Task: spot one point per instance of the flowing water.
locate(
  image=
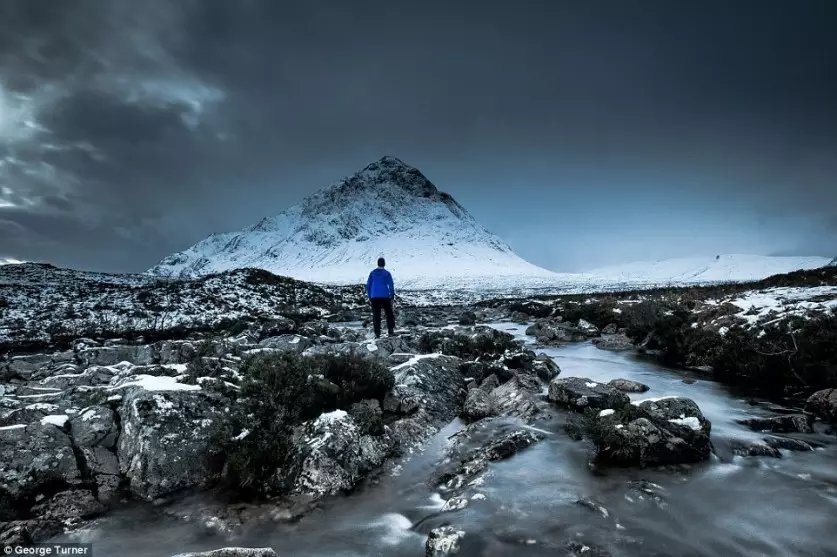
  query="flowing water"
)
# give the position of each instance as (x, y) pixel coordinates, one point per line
(755, 506)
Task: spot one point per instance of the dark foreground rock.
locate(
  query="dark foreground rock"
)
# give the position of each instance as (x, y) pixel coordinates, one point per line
(579, 393)
(823, 405)
(792, 423)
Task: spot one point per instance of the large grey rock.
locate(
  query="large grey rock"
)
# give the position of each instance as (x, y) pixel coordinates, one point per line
(823, 404)
(331, 454)
(33, 457)
(110, 355)
(232, 552)
(164, 445)
(544, 367)
(579, 393)
(95, 427)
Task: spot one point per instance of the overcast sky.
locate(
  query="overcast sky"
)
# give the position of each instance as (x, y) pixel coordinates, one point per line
(585, 133)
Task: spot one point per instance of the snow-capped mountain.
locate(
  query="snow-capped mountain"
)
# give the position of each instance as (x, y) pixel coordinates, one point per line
(336, 235)
(706, 270)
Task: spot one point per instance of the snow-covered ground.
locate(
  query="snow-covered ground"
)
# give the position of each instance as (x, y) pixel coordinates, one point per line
(759, 306)
(705, 270)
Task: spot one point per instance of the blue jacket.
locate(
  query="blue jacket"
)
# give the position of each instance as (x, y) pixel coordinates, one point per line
(379, 284)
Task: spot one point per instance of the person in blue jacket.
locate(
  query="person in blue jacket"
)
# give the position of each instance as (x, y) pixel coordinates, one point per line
(381, 292)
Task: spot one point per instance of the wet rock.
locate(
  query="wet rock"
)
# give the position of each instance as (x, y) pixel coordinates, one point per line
(233, 552)
(477, 405)
(823, 404)
(516, 397)
(628, 386)
(754, 448)
(468, 318)
(578, 393)
(788, 444)
(544, 367)
(791, 423)
(613, 343)
(443, 541)
(165, 440)
(610, 329)
(480, 443)
(287, 343)
(490, 383)
(331, 454)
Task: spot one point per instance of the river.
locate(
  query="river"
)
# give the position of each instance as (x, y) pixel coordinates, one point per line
(730, 505)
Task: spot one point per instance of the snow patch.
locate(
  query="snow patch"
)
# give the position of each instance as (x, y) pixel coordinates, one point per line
(155, 383)
(58, 420)
(607, 412)
(691, 423)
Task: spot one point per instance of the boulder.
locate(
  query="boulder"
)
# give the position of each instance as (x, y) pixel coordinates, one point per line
(791, 423)
(165, 442)
(579, 393)
(613, 343)
(519, 317)
(331, 454)
(33, 457)
(477, 405)
(610, 329)
(627, 386)
(823, 405)
(668, 430)
(443, 541)
(24, 366)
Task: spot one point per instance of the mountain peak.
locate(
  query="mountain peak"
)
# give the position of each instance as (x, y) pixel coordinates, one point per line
(392, 171)
(336, 234)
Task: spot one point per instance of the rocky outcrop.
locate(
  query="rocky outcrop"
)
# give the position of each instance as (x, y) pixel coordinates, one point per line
(580, 393)
(555, 332)
(823, 405)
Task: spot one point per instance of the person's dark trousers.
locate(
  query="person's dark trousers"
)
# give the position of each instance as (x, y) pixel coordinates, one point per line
(385, 304)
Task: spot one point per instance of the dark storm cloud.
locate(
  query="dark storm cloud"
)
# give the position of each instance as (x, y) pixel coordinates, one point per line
(585, 133)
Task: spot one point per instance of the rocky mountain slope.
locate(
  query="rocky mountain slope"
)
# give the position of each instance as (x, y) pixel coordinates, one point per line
(335, 236)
